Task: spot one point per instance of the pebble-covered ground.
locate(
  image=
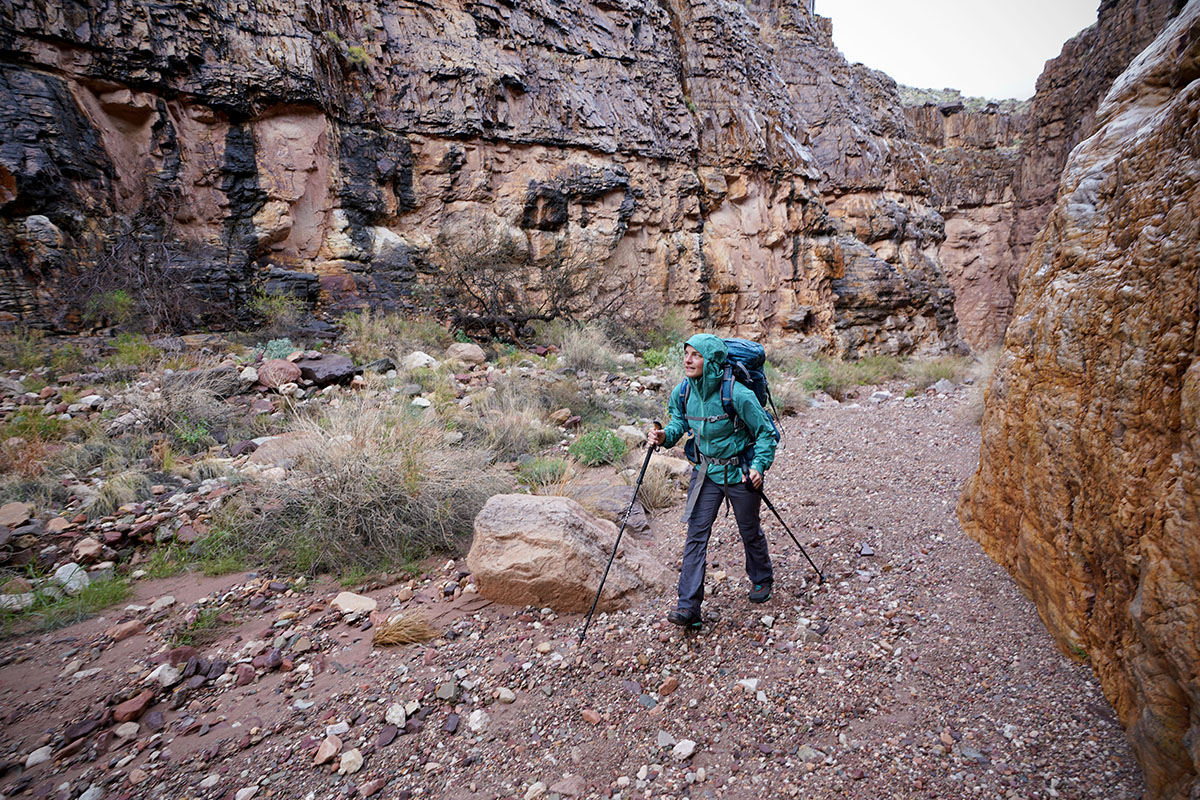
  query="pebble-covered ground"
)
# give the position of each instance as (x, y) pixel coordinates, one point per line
(917, 670)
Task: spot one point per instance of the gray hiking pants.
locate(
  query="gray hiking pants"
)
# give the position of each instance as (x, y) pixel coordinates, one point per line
(710, 497)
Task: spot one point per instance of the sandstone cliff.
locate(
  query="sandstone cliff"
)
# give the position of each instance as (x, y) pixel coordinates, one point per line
(1088, 488)
(326, 150)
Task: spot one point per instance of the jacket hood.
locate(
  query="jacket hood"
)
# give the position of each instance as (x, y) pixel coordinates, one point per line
(714, 351)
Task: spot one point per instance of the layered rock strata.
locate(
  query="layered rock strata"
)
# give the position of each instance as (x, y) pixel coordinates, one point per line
(330, 150)
(1088, 487)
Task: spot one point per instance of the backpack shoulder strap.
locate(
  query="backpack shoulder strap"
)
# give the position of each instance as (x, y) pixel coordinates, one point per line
(727, 394)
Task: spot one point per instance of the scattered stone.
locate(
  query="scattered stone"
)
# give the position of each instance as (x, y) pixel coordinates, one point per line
(665, 739)
(329, 748)
(326, 370)
(371, 787)
(161, 604)
(478, 720)
(447, 691)
(943, 386)
(506, 695)
(352, 762)
(569, 786)
(395, 714)
(535, 791)
(276, 372)
(246, 793)
(386, 736)
(591, 716)
(467, 352)
(72, 578)
(166, 675)
(337, 729)
(39, 756)
(683, 750)
(668, 686)
(418, 360)
(13, 515)
(121, 632)
(127, 730)
(351, 603)
(134, 707)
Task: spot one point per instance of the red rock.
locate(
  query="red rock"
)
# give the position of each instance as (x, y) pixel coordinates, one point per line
(133, 708)
(121, 632)
(591, 716)
(370, 787)
(276, 372)
(244, 673)
(668, 686)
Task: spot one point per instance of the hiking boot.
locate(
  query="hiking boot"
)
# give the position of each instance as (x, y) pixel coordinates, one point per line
(760, 592)
(684, 619)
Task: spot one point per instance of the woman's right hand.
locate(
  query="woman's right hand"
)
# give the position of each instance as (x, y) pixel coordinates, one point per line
(655, 437)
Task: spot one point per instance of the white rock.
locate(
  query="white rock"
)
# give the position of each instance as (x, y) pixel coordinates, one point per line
(16, 602)
(249, 375)
(41, 755)
(351, 603)
(246, 793)
(535, 791)
(665, 739)
(683, 750)
(418, 360)
(768, 620)
(93, 792)
(395, 714)
(506, 695)
(352, 762)
(880, 396)
(127, 730)
(72, 577)
(944, 386)
(166, 601)
(422, 402)
(750, 684)
(210, 781)
(337, 729)
(166, 676)
(467, 352)
(92, 401)
(478, 720)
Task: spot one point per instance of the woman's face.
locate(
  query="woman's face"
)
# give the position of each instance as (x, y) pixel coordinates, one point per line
(693, 362)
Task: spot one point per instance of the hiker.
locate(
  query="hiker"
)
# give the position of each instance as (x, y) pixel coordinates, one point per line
(729, 454)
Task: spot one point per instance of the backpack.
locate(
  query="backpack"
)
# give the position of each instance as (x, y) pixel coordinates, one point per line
(745, 365)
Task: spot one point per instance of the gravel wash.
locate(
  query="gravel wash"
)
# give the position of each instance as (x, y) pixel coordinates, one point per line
(916, 670)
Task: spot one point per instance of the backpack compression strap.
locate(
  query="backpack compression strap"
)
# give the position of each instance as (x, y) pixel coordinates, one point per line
(685, 390)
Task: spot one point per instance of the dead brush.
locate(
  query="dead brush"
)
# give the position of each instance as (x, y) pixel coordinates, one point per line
(510, 422)
(658, 489)
(378, 485)
(408, 628)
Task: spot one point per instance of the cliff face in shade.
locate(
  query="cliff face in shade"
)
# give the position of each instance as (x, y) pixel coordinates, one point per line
(1088, 488)
(328, 150)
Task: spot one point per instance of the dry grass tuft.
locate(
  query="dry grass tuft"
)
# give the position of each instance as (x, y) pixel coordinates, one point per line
(510, 422)
(582, 346)
(380, 486)
(658, 489)
(404, 629)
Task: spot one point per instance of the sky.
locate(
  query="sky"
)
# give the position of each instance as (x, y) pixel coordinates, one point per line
(984, 48)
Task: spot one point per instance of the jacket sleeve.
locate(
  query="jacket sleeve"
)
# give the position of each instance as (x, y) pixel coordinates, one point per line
(755, 418)
(678, 426)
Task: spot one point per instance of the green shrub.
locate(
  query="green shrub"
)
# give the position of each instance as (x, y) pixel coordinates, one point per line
(368, 336)
(67, 357)
(22, 349)
(278, 348)
(115, 307)
(542, 471)
(597, 447)
(52, 609)
(278, 313)
(657, 356)
(133, 350)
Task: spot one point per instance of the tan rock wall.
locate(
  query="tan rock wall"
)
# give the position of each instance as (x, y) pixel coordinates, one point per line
(1088, 487)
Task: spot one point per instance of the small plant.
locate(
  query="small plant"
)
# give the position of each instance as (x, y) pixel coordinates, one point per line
(509, 422)
(22, 349)
(927, 373)
(121, 489)
(690, 105)
(598, 447)
(278, 348)
(279, 313)
(53, 609)
(658, 489)
(193, 435)
(165, 562)
(218, 554)
(66, 358)
(133, 350)
(115, 307)
(542, 471)
(667, 354)
(583, 346)
(357, 56)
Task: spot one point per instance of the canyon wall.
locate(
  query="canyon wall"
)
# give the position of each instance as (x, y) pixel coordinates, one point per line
(331, 151)
(1088, 487)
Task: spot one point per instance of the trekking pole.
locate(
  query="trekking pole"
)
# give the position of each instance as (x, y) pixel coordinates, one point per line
(770, 505)
(649, 452)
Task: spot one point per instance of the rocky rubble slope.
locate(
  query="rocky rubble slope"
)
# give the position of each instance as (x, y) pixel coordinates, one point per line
(1087, 486)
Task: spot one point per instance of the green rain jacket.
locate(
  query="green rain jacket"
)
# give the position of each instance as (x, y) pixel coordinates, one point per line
(722, 438)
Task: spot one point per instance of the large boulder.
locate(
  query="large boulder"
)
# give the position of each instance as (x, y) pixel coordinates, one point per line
(275, 372)
(549, 551)
(1088, 487)
(327, 369)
